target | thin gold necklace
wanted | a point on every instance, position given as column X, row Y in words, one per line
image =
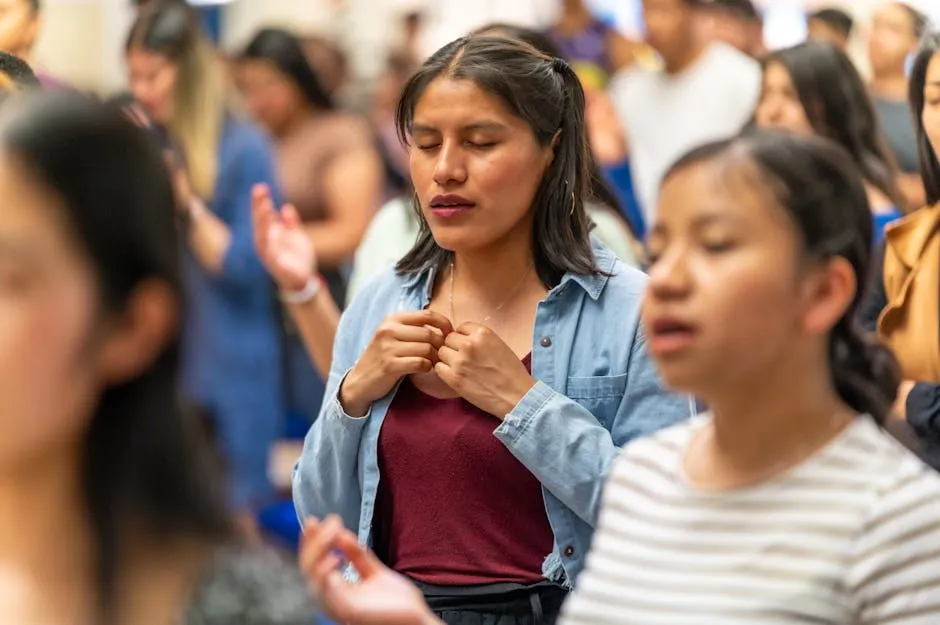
column 515, row 291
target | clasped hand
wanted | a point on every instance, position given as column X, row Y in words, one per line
column 471, row 359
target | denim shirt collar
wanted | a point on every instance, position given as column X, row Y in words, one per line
column 593, row 284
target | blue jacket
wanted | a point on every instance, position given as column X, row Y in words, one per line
column 597, row 390
column 231, row 339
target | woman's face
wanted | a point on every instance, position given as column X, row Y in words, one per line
column 271, row 97
column 152, row 80
column 931, row 113
column 779, row 106
column 48, row 305
column 721, row 249
column 475, row 166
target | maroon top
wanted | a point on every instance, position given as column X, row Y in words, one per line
column 454, row 507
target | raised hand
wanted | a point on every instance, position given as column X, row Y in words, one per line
column 382, row 597
column 405, row 343
column 283, row 247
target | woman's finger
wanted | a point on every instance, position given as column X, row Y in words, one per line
column 323, row 569
column 418, row 334
column 362, row 558
column 290, row 216
column 318, row 543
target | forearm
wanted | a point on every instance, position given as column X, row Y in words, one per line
column 317, row 320
column 208, row 237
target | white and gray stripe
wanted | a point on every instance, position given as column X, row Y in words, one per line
column 850, row 536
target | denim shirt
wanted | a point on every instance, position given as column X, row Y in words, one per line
column 596, row 390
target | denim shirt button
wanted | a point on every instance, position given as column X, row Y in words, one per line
column 569, row 551
column 546, row 341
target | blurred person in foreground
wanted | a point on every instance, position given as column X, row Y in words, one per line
column 231, row 341
column 897, row 29
column 112, row 512
column 831, row 25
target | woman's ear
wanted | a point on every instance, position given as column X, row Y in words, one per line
column 140, row 334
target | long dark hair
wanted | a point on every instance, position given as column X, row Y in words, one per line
column 837, row 105
column 819, row 186
column 546, row 93
column 598, row 189
column 145, row 466
column 929, row 165
column 285, row 52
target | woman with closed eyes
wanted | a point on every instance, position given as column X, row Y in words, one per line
column 481, row 389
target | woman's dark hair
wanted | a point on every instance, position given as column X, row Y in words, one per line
column 144, row 467
column 546, row 93
column 837, row 105
column 598, row 189
column 929, row 165
column 18, row 71
column 819, row 186
column 285, row 52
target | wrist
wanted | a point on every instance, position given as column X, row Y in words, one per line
column 307, row 293
column 514, row 397
column 349, row 398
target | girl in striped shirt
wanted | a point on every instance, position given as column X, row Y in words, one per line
column 786, row 503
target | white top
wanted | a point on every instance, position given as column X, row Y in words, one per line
column 851, row 536
column 666, row 115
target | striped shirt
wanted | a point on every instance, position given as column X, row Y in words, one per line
column 849, row 536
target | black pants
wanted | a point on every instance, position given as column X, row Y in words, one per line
column 497, row 604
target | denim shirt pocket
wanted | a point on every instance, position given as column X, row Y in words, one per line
column 601, row 395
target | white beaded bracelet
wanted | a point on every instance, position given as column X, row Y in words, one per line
column 304, row 295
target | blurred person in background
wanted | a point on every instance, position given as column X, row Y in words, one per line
column 832, row 25
column 396, row 226
column 907, row 293
column 814, row 88
column 329, row 63
column 231, row 340
column 328, row 170
column 594, row 48
column 398, row 70
column 704, row 91
column 20, row 21
column 737, row 23
column 113, row 513
column 328, row 166
column 896, row 31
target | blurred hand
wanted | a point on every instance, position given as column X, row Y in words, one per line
column 283, row 247
column 382, row 597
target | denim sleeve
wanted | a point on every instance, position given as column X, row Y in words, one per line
column 255, row 164
column 923, row 411
column 326, row 476
column 570, row 451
